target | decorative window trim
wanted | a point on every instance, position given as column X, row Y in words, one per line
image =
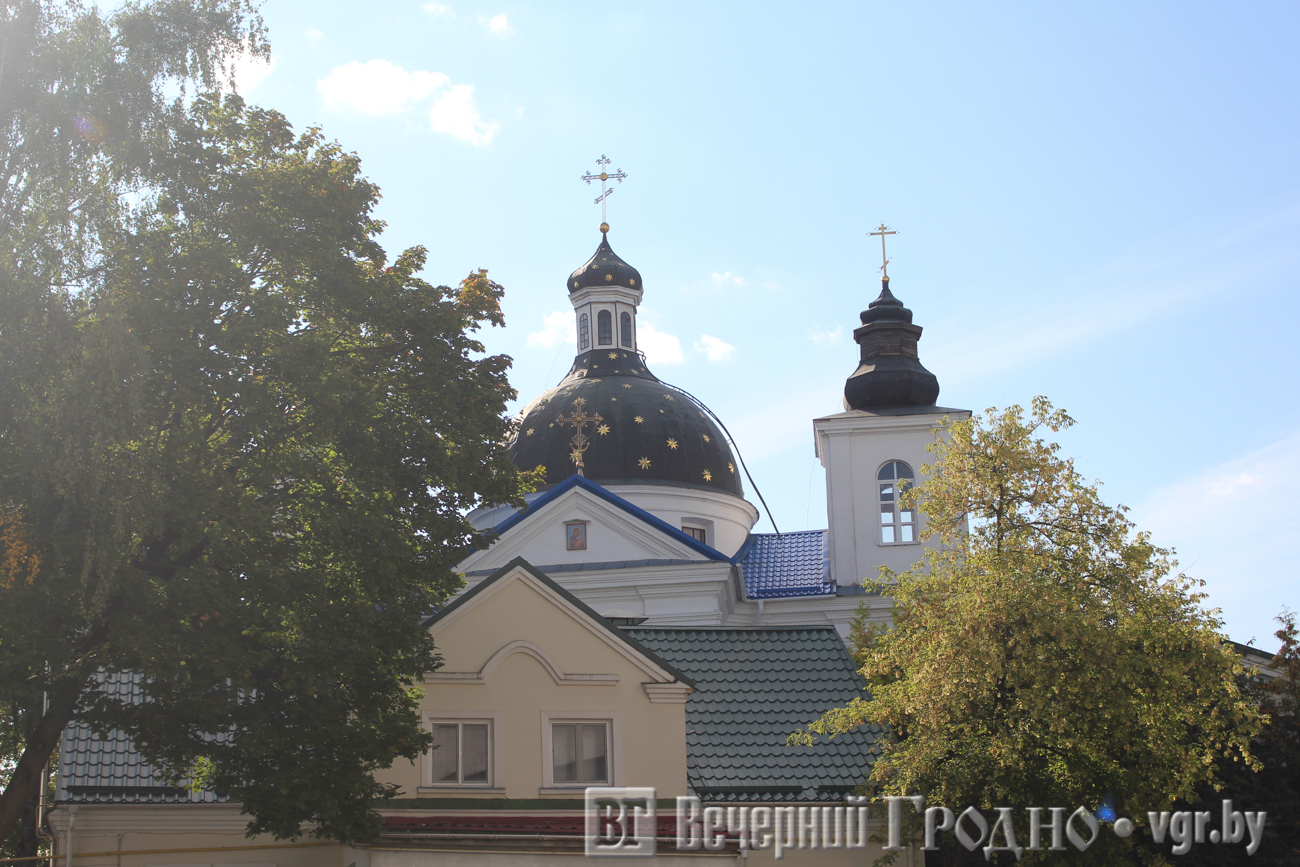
column 614, row 758
column 496, row 758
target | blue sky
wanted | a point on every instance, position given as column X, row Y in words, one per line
column 1095, row 202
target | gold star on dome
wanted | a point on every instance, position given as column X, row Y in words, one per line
column 552, row 424
column 609, row 277
column 603, row 429
column 613, row 355
column 530, row 431
column 613, row 398
column 672, row 443
column 661, row 412
column 706, row 438
column 708, row 476
column 627, row 385
column 730, row 467
column 639, row 420
column 631, row 281
column 645, row 463
column 575, row 284
column 579, row 401
column 668, row 397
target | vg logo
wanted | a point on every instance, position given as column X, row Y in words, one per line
column 619, row 821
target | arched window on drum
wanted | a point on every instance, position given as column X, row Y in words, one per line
column 897, row 524
column 604, row 328
column 584, row 332
column 625, row 326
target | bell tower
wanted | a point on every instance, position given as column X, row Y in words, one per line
column 875, row 448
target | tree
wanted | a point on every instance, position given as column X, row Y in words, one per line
column 1275, row 787
column 239, row 463
column 83, row 113
column 1042, row 653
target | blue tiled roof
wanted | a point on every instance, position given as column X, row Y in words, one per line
column 753, row 687
column 102, row 770
column 791, row 564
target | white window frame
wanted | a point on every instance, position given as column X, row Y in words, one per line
column 496, row 760
column 897, row 525
column 614, row 743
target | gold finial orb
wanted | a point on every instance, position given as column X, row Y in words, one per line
column 604, row 227
column 604, row 176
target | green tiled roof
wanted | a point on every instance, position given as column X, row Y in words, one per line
column 754, row 686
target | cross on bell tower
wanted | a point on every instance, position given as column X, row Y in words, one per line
column 882, row 230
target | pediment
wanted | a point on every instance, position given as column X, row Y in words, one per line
column 615, row 532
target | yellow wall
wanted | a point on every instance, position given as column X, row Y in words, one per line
column 653, row 734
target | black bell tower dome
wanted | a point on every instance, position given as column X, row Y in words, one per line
column 890, row 372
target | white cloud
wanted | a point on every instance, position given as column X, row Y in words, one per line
column 1232, row 527
column 556, row 326
column 314, row 36
column 659, row 347
column 497, row 24
column 715, row 349
column 437, row 9
column 246, row 72
column 827, row 335
column 726, row 278
column 454, row 114
column 377, row 87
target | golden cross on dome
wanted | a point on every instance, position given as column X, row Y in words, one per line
column 579, row 420
column 882, row 230
column 604, row 176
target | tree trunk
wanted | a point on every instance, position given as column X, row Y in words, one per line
column 25, row 783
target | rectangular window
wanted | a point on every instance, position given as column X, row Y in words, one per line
column 460, row 755
column 605, row 328
column 897, row 524
column 696, row 533
column 580, row 753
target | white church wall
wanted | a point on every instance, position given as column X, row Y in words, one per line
column 729, row 519
column 853, row 446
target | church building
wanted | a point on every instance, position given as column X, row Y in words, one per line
column 627, row 628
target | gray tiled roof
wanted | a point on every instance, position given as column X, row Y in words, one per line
column 95, row 770
column 789, row 564
column 754, row 686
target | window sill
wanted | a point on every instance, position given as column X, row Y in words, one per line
column 460, row 790
column 568, row 790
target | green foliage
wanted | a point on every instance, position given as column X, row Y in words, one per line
column 1275, row 787
column 236, row 442
column 1042, row 653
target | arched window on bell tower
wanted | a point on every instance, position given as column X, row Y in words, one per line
column 625, row 325
column 584, row 332
column 604, row 328
column 897, row 523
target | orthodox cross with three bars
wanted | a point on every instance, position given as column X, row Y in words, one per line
column 579, row 420
column 882, row 230
column 605, row 176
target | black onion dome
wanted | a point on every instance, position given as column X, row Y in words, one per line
column 890, row 372
column 649, row 433
column 605, row 268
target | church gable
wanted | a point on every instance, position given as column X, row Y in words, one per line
column 519, row 611
column 581, row 522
